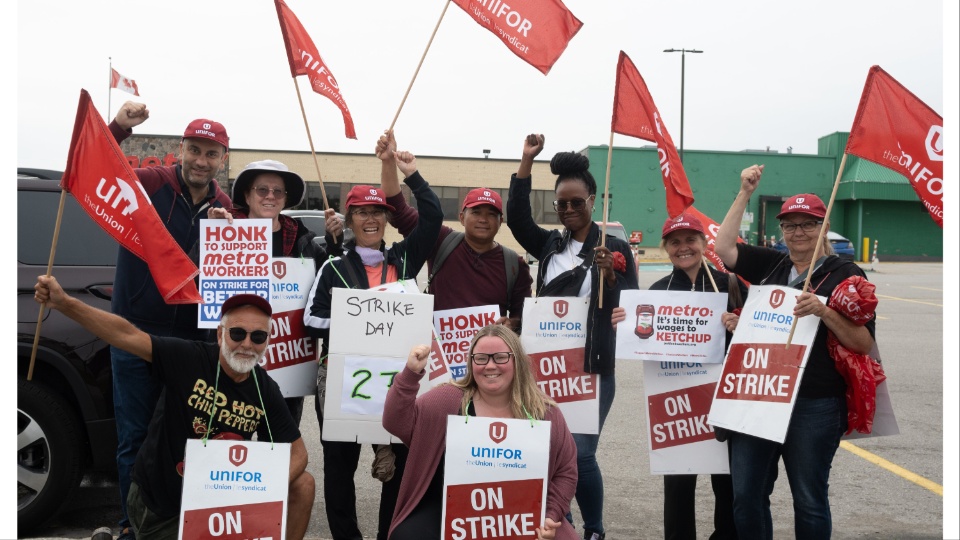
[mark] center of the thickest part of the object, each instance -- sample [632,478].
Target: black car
[65,420]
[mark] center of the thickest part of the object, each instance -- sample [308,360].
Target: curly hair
[526,397]
[573,166]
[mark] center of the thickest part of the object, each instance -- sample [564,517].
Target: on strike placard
[456,328]
[234,259]
[291,356]
[672,326]
[758,386]
[495,477]
[554,335]
[234,490]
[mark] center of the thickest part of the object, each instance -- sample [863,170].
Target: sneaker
[103,533]
[590,535]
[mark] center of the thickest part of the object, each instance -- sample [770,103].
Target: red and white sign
[456,328]
[672,326]
[537,31]
[680,440]
[495,477]
[554,335]
[291,356]
[758,386]
[234,490]
[234,258]
[120,82]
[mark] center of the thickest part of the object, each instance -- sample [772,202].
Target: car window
[82,242]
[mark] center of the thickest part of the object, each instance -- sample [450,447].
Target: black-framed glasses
[367,214]
[481,359]
[807,226]
[239,334]
[264,191]
[561,205]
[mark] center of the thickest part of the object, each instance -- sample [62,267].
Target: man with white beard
[198,402]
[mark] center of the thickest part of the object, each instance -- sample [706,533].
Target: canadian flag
[123,83]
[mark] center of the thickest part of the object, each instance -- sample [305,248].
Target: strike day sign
[760,378]
[672,326]
[234,490]
[456,328]
[234,259]
[554,335]
[371,334]
[291,356]
[495,477]
[678,401]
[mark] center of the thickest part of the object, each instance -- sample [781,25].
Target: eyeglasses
[263,191]
[574,204]
[239,334]
[807,226]
[367,214]
[481,359]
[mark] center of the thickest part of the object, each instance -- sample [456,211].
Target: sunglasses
[263,192]
[575,204]
[239,334]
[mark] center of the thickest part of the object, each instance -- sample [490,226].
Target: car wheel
[48,453]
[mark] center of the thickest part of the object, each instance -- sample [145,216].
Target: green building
[872,202]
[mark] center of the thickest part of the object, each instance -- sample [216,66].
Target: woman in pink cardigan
[499,384]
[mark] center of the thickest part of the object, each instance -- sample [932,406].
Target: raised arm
[400,408]
[420,243]
[726,244]
[111,328]
[519,215]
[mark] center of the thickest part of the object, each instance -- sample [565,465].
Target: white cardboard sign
[234,490]
[371,334]
[291,356]
[456,328]
[495,477]
[672,326]
[758,386]
[554,336]
[234,259]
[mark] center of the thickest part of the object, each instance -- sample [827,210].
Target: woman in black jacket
[572,263]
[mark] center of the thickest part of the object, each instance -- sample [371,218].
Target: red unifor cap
[804,203]
[245,299]
[367,196]
[683,222]
[479,196]
[201,128]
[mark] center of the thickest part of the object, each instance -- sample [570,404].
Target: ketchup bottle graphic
[644,327]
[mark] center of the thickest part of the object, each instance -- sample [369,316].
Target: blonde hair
[525,396]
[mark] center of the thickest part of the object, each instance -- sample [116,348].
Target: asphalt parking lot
[880,487]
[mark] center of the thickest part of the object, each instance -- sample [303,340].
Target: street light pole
[683,66]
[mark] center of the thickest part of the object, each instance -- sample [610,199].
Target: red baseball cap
[246,299]
[479,196]
[201,128]
[367,196]
[804,203]
[683,222]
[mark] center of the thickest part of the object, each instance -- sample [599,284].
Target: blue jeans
[135,396]
[590,480]
[813,436]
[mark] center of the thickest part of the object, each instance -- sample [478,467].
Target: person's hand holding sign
[549,530]
[417,359]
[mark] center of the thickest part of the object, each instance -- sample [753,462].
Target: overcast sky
[772,74]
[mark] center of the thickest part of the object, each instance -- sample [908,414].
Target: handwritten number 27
[365,376]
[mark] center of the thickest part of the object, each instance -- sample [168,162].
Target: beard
[240,361]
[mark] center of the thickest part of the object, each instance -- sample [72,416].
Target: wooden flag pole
[109,86]
[816,247]
[53,251]
[606,210]
[323,191]
[706,268]
[404,100]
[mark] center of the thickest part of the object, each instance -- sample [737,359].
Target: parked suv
[65,423]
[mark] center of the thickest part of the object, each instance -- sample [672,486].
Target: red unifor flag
[100,178]
[305,60]
[893,128]
[635,114]
[537,31]
[711,227]
[123,83]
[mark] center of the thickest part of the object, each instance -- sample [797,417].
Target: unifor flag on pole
[100,178]
[537,31]
[897,130]
[635,114]
[305,60]
[123,83]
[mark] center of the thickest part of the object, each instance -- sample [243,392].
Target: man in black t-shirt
[197,402]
